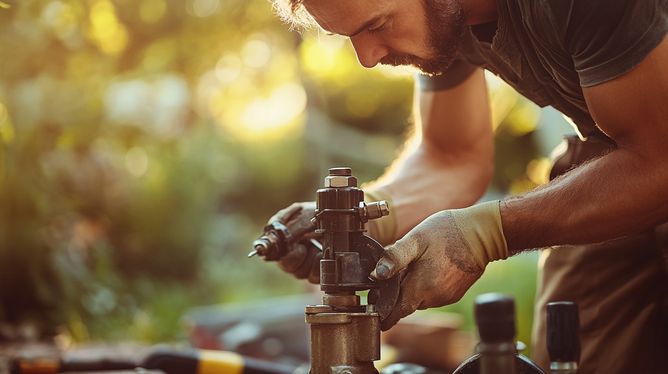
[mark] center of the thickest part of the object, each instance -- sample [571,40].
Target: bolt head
[343,171]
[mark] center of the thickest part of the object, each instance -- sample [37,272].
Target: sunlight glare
[105,29]
[256,53]
[6,128]
[502,98]
[280,109]
[539,170]
[136,161]
[228,68]
[202,8]
[326,57]
[3,114]
[151,11]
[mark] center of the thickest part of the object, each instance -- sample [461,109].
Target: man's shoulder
[547,9]
[566,16]
[545,20]
[604,38]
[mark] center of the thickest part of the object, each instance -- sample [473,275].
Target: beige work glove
[303,260]
[442,257]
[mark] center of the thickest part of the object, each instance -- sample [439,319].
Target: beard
[446,27]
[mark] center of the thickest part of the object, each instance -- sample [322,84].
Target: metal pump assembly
[345,334]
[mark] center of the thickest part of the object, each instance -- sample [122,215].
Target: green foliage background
[143,144]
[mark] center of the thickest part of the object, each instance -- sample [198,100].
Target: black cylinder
[563,332]
[495,317]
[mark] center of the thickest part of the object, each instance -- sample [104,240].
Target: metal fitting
[340,177]
[340,181]
[263,246]
[377,209]
[374,210]
[566,367]
[341,300]
[314,309]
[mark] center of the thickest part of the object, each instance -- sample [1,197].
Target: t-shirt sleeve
[608,38]
[452,77]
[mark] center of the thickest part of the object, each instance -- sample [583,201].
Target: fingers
[314,275]
[398,256]
[407,303]
[292,260]
[297,217]
[429,283]
[303,261]
[284,215]
[300,223]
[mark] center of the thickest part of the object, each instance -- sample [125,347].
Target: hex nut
[340,181]
[384,207]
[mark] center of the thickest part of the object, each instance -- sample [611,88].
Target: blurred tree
[143,144]
[121,144]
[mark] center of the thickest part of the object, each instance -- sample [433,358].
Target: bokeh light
[144,144]
[281,108]
[256,53]
[228,68]
[202,8]
[6,129]
[136,161]
[105,29]
[151,11]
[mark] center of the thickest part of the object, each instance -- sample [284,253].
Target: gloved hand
[442,257]
[303,260]
[297,217]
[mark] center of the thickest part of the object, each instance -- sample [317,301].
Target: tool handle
[495,317]
[167,360]
[563,336]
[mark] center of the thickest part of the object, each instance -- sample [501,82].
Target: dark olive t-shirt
[549,49]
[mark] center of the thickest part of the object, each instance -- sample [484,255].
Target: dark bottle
[495,317]
[563,337]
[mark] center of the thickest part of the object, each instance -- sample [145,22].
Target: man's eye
[378,29]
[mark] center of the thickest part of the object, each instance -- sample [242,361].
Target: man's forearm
[449,161]
[615,195]
[425,183]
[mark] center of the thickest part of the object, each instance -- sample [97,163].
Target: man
[601,63]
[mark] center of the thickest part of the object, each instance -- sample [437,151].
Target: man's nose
[369,51]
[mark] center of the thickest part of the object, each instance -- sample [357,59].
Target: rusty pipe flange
[343,342]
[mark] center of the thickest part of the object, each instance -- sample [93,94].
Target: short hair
[294,14]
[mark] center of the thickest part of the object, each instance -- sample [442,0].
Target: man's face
[422,33]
